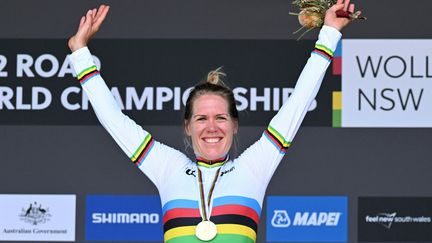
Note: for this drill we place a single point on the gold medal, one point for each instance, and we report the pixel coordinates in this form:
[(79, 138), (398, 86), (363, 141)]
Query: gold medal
[(206, 230)]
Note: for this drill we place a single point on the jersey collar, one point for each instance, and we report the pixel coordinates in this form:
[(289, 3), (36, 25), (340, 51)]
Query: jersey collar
[(211, 163)]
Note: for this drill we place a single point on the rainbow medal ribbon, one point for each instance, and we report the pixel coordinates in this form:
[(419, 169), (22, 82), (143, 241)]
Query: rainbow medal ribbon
[(206, 230)]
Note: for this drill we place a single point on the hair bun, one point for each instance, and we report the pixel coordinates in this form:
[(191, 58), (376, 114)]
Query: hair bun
[(215, 76)]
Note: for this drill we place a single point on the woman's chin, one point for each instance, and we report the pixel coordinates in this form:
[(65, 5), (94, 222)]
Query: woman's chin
[(213, 156)]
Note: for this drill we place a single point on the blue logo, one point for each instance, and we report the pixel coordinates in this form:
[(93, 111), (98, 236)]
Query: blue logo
[(307, 219), (123, 218)]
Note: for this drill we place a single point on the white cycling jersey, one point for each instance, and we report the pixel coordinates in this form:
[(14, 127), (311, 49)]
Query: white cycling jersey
[(238, 195)]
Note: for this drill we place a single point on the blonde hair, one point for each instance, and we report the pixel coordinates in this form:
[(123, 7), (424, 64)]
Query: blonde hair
[(215, 77)]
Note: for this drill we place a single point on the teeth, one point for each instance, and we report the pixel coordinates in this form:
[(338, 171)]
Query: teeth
[(212, 140)]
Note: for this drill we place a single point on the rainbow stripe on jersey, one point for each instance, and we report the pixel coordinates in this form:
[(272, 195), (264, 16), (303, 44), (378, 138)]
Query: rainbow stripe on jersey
[(277, 139), (143, 150), (323, 51), (87, 74), (236, 219)]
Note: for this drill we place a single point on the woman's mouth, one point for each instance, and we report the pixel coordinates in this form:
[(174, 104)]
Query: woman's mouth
[(212, 140)]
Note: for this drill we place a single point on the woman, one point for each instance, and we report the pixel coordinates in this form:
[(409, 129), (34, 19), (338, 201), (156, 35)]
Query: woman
[(213, 197)]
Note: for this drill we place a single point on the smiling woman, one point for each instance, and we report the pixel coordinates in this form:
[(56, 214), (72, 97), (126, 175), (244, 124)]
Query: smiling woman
[(212, 197), (211, 117), (211, 128)]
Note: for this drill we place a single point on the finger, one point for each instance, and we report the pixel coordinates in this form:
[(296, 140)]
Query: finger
[(337, 7), (101, 17), (351, 8), (91, 15), (88, 18), (346, 5), (339, 1), (94, 11), (99, 11), (82, 20)]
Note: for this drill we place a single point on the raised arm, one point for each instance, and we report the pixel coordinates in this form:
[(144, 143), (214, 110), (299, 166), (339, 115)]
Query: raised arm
[(149, 155), (286, 123), (264, 156)]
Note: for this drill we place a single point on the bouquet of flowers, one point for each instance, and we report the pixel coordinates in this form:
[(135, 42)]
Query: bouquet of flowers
[(312, 13)]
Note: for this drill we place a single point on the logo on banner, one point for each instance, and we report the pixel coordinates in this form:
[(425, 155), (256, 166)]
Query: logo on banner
[(395, 219), (387, 219), (37, 217), (35, 214), (123, 218), (384, 85), (306, 219), (280, 219)]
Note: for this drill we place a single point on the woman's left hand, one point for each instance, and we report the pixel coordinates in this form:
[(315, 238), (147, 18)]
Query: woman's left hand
[(331, 18)]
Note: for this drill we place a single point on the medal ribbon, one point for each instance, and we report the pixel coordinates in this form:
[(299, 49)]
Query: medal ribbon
[(206, 208)]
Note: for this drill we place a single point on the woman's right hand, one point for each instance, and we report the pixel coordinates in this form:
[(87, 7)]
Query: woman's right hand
[(331, 18), (89, 25)]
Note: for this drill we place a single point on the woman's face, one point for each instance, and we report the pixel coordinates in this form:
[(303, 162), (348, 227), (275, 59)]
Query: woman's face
[(211, 128)]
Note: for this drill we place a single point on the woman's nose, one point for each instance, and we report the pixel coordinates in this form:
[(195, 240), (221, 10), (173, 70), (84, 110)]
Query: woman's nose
[(211, 125)]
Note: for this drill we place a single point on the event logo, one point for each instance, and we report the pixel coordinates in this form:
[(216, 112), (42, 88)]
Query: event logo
[(33, 217), (123, 218), (35, 214), (395, 219), (384, 85), (306, 219)]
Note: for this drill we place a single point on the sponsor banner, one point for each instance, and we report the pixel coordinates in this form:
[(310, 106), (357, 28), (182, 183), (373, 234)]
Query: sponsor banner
[(123, 218), (386, 83), (395, 219), (307, 218), (37, 217), (151, 79)]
